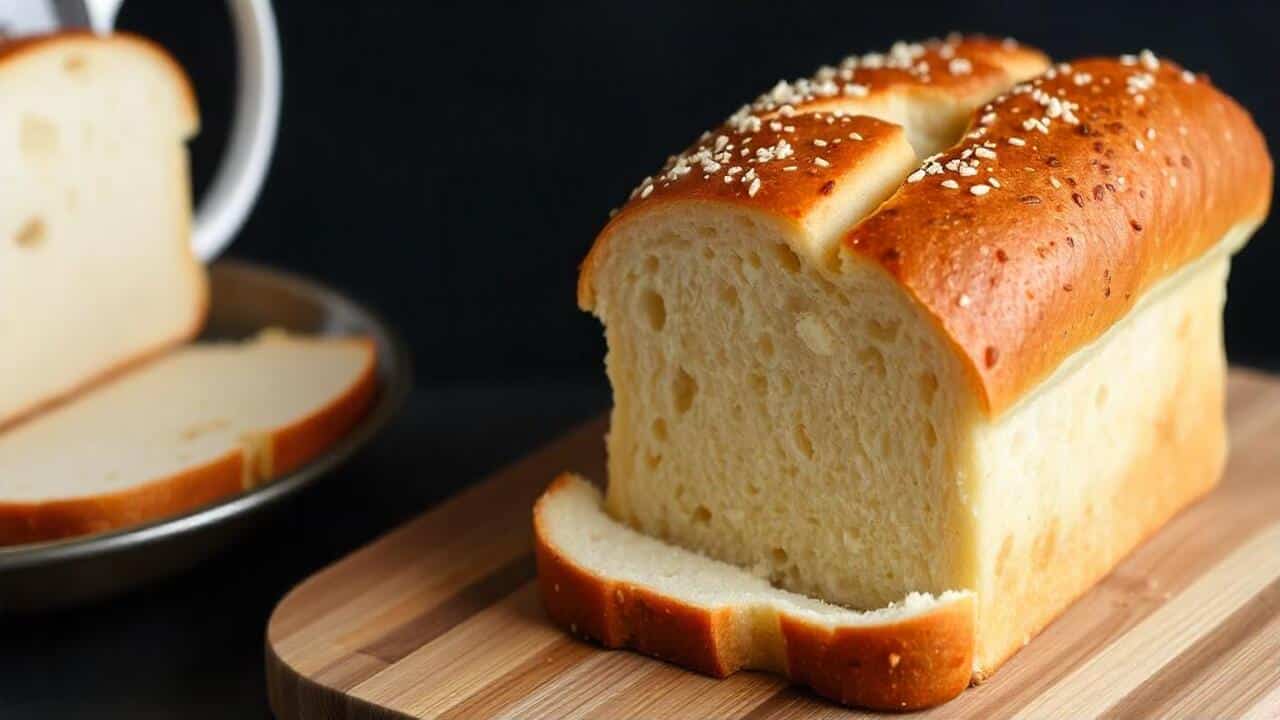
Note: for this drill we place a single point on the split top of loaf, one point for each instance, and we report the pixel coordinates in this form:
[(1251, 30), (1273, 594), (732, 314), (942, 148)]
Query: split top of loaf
[(1026, 207)]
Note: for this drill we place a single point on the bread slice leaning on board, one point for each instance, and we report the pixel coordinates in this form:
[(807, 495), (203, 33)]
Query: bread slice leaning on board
[(943, 319), (96, 267), (199, 424)]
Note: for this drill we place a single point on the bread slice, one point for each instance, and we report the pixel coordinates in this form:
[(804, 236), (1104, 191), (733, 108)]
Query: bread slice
[(202, 423), (996, 369), (604, 581), (96, 267)]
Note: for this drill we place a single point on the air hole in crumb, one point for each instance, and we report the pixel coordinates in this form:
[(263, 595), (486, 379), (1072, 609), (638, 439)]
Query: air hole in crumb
[(652, 460), (38, 137), (746, 222), (765, 344), (815, 335), (729, 294), (74, 63), (651, 264), (708, 253), (787, 258), (1102, 395), (787, 385), (885, 332), (31, 234), (779, 556), (928, 387), (679, 493), (708, 231), (754, 259), (886, 445), (873, 361), (701, 515), (654, 309), (660, 430), (803, 442), (758, 384), (752, 489), (683, 389), (930, 435)]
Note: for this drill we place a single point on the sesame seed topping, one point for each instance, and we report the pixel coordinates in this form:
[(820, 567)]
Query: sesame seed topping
[(646, 191), (916, 176), (753, 188), (1149, 60), (1017, 141), (790, 168), (993, 183), (819, 142), (984, 153), (1151, 133), (959, 66), (980, 190), (855, 136), (1054, 182), (1137, 144), (820, 162), (950, 184), (964, 301), (1188, 76)]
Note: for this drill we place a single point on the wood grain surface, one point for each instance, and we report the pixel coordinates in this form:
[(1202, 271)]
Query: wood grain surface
[(440, 619)]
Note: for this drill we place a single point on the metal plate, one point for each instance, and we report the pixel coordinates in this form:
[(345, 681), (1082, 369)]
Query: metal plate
[(246, 298)]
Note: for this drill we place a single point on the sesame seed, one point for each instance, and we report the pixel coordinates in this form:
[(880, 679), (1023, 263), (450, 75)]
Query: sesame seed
[(753, 188), (1054, 182), (985, 154), (648, 190), (790, 168), (1137, 144), (964, 301), (980, 190), (1149, 60), (993, 183), (987, 119), (819, 142), (959, 66), (855, 136), (1128, 59), (821, 162), (916, 176), (1188, 76), (1017, 141), (856, 90), (1173, 181), (950, 184), (967, 171)]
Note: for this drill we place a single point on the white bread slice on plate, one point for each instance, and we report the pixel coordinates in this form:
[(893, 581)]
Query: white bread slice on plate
[(202, 423), (602, 580), (96, 268)]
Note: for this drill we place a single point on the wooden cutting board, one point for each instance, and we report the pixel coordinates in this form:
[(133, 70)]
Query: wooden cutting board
[(440, 619)]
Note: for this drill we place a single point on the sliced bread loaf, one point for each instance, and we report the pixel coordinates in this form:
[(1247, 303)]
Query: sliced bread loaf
[(202, 423), (605, 581), (96, 268)]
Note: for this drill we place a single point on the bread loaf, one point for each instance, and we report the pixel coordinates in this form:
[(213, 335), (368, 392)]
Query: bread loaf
[(96, 269), (197, 425), (926, 323)]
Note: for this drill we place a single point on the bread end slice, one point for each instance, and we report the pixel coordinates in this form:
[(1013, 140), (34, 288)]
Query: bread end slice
[(604, 581)]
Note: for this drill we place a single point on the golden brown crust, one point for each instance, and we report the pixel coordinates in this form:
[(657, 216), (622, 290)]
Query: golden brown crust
[(835, 107), (292, 446), (917, 662), (1140, 169), (1087, 216)]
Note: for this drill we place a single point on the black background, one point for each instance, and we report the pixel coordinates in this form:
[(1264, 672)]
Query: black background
[(449, 164)]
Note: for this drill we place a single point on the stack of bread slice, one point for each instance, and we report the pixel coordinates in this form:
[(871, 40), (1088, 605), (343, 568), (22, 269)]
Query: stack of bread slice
[(105, 418)]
